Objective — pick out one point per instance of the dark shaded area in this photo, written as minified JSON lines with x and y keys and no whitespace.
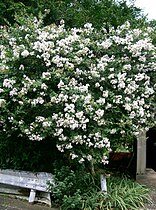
{"x":151,"y":149}
{"x":124,"y":162}
{"x":22,"y":154}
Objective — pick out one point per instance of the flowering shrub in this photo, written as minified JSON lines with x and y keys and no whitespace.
{"x":87,"y":89}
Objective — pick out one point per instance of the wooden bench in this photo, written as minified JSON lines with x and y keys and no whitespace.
{"x":32,"y":181}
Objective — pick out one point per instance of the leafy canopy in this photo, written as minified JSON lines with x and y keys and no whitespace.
{"x":75,"y":12}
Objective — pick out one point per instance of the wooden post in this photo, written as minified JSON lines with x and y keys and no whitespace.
{"x":46,"y":197}
{"x":103,"y":183}
{"x":141,"y":152}
{"x":32,"y":196}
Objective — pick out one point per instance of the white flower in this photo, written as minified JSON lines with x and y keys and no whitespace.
{"x":61,"y":84}
{"x":13,"y":92}
{"x":101,"y":101}
{"x":101,"y":88}
{"x":55,"y":116}
{"x":74,"y":125}
{"x":89,"y":157}
{"x":104,"y":160}
{"x":44,"y":86}
{"x":139,"y":76}
{"x":113,"y":131}
{"x":81,"y":160}
{"x":36,"y":101}
{"x":99,"y":113}
{"x":73,"y":156}
{"x":21,"y":67}
{"x":141,"y":112}
{"x":127,"y":99}
{"x":97,"y":84}
{"x":79,"y":115}
{"x":117,"y":99}
{"x":35,"y":137}
{"x":39,"y":119}
{"x":108,"y":106}
{"x":68,"y":146}
{"x":105,"y":44}
{"x":84,"y":88}
{"x":58,"y":131}
{"x":62,"y":22}
{"x":46,"y":75}
{"x":20,"y":102}
{"x":127,"y":107}
{"x":73,"y":98}
{"x":25,"y":53}
{"x":127,"y":67}
{"x":122,"y":132}
{"x":135,"y":105}
{"x":40,"y":100}
{"x":121,"y":85}
{"x":8,"y":83}
{"x":46,"y":124}
{"x":132,"y":115}
{"x":60,"y":148}
{"x":53,"y":99}
{"x":87,"y":99}
{"x":88,"y":25}
{"x":141,"y":101}
{"x":114,"y":81}
{"x":148,"y":91}
{"x":69,"y":108}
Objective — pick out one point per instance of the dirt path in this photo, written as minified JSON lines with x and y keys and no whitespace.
{"x":10,"y":203}
{"x":149,"y":180}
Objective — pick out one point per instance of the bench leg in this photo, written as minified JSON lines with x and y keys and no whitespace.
{"x":32,"y":196}
{"x":45,"y":196}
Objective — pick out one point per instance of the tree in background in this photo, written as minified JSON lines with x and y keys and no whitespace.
{"x":75,"y":13}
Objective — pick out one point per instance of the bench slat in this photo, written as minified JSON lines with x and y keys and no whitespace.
{"x":28,"y":180}
{"x":26,"y":173}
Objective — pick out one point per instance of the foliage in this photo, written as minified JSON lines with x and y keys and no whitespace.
{"x":68,"y":180}
{"x":75,"y":12}
{"x":84,"y":89}
{"x":73,"y":191}
{"x":21,"y":154}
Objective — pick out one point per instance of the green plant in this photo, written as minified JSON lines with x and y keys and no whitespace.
{"x":78,"y":189}
{"x":70,"y":180}
{"x":124,"y":193}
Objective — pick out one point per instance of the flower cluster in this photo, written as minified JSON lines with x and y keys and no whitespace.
{"x":86,"y":89}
